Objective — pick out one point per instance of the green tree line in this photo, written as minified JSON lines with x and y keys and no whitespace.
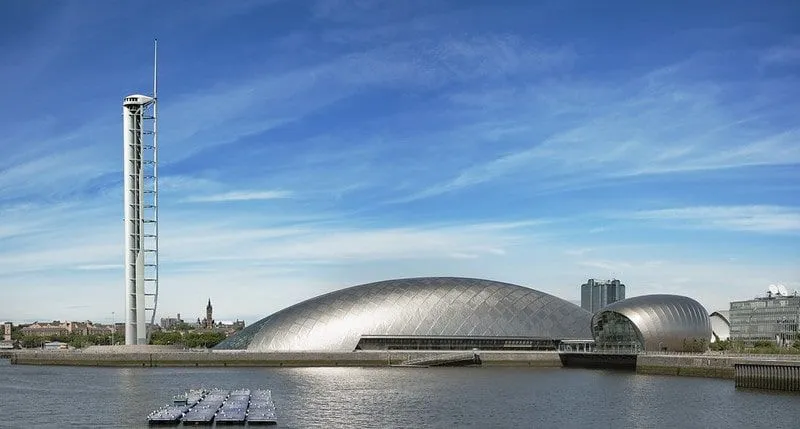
{"x":74,"y":340}
{"x":187,"y":339}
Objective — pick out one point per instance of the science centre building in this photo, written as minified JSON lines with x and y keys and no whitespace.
{"x":454,"y":313}
{"x":429,"y":313}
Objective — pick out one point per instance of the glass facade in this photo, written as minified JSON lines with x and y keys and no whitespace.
{"x":454,"y":343}
{"x":613,"y":331}
{"x":773,"y":319}
{"x":597,"y":294}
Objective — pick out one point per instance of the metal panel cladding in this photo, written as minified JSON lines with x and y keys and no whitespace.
{"x":427,"y":306}
{"x":670,"y":322}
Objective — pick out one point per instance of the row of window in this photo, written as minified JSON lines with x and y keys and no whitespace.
{"x":390,"y":343}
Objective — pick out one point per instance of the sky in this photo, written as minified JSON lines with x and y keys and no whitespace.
{"x":307,"y":146}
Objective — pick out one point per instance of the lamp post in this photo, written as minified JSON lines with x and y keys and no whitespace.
{"x":113,"y":327}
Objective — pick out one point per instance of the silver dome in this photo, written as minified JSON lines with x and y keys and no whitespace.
{"x":662,"y":322}
{"x":427,"y":306}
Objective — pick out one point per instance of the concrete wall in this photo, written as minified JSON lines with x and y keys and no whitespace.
{"x":698,"y":365}
{"x":768,"y":375}
{"x":158,"y":358}
{"x":690,"y":365}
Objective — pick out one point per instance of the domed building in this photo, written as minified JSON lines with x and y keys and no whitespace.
{"x":653,"y":323}
{"x":720,"y":325}
{"x":428,"y":313}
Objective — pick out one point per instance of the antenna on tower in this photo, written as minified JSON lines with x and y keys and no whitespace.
{"x":155,"y":69}
{"x":155,"y":256}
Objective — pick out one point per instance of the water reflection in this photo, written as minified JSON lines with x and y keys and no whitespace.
{"x":397,"y":397}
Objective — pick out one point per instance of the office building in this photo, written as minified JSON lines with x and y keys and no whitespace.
{"x":773,"y":317}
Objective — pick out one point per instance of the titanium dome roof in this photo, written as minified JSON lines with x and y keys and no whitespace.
{"x":663,"y":321}
{"x":426,"y":306}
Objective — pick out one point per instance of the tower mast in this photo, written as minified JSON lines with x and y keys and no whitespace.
{"x":140,"y":177}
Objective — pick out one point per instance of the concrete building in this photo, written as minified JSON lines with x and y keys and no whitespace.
{"x":47,"y":329}
{"x":596,"y":294}
{"x":6,"y":343}
{"x":169,"y":323}
{"x":773,"y":317}
{"x":229,"y":327}
{"x":428,"y":313}
{"x":44,"y":329}
{"x":653,"y":323}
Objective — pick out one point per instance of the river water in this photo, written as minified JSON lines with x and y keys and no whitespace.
{"x":51,"y":396}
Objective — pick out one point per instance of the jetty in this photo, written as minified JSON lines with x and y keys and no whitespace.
{"x":234,"y":409}
{"x":442,"y":359}
{"x":172,"y":414}
{"x":205,"y":410}
{"x":217,"y":406}
{"x":262,"y":409}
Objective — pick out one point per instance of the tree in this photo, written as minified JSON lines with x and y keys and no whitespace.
{"x":205,"y":339}
{"x":722,"y":345}
{"x":32,"y":341}
{"x":166,"y":338}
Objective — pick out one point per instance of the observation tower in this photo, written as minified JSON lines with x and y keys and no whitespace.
{"x":140,"y":148}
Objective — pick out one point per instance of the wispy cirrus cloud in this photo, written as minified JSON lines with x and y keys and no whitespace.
{"x":766,"y":219}
{"x":240,"y":196}
{"x":657,"y":124}
{"x":784,"y":54}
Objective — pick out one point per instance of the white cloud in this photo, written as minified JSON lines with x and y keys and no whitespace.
{"x":95,"y":267}
{"x":239,"y":196}
{"x":589,"y":132}
{"x":785,"y":54}
{"x":769,"y":219}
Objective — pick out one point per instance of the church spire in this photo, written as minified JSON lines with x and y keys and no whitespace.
{"x":209,"y":322}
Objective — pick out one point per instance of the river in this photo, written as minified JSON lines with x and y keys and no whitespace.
{"x":54,"y":396}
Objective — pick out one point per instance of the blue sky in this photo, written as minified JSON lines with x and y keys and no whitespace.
{"x":312,"y":145}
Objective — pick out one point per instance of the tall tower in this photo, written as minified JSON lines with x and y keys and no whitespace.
{"x":140,"y":148}
{"x":209,"y":315}
{"x":596,"y":294}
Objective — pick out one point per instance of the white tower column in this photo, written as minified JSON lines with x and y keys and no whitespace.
{"x":140,"y":201}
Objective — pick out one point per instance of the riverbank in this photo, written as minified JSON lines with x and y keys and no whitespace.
{"x":694,"y":365}
{"x":180,"y":358}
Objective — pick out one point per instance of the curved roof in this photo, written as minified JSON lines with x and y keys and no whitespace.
{"x":664,"y":321}
{"x":426,"y":306}
{"x":136,"y":100}
{"x":720,"y":325}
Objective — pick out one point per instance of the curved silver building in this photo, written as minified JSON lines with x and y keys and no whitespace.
{"x":652,"y":323}
{"x":720,"y":325}
{"x":431,"y":313}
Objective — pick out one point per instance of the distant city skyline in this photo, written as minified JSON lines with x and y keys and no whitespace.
{"x":312,"y":146}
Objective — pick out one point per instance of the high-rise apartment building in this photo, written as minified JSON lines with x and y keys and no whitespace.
{"x":596,"y":294}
